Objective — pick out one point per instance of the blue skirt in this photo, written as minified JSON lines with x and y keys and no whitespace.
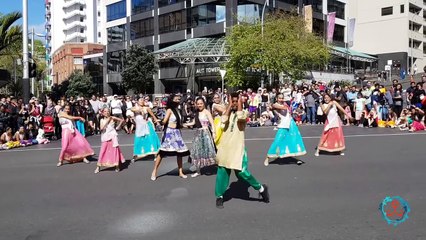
{"x":287,"y":143}
{"x":146,"y":145}
{"x":80,"y":127}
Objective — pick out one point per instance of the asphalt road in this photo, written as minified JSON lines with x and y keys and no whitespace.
{"x":328,"y":197}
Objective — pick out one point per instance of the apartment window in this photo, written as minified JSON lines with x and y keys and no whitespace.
{"x":387,"y":11}
{"x":81,"y":30}
{"x":171,"y":22}
{"x":162,"y":3}
{"x":292,"y":2}
{"x":139,"y":6}
{"x":99,"y":14}
{"x":142,"y":28}
{"x":116,"y":11}
{"x":99,"y":34}
{"x":82,"y":40}
{"x":117,"y":34}
{"x":81,"y":8}
{"x":316,"y":4}
{"x":338,"y":7}
{"x":249,"y":13}
{"x":81,"y":19}
{"x":402,"y":8}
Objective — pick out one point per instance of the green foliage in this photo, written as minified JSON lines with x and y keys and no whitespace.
{"x":139,"y":68}
{"x":80,"y":85}
{"x":285,"y":47}
{"x":9,"y":33}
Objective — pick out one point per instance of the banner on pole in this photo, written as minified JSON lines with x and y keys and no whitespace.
{"x":351,"y":31}
{"x":330,"y":29}
{"x":308,"y":17}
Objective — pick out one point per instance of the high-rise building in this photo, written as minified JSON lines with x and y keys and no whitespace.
{"x":393,"y":30}
{"x":73,"y":21}
{"x":157,"y":24}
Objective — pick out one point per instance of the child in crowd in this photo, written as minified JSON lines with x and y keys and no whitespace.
{"x":299,"y":115}
{"x":404,"y":120}
{"x":359,"y":108}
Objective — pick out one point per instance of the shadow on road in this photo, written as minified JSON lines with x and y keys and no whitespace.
{"x":238,"y":190}
{"x":285,"y":161}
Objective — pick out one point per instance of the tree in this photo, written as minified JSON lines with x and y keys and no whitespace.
{"x":80,"y":85}
{"x":139,"y":68}
{"x":285,"y":47}
{"x":9,"y":33}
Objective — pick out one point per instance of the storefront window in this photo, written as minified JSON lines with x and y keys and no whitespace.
{"x":116,"y":61}
{"x":116,"y":11}
{"x":139,"y":6}
{"x":117,"y":34}
{"x":142,"y":28}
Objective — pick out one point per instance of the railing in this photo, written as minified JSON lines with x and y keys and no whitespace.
{"x":74,"y":13}
{"x":75,"y":24}
{"x":73,"y":2}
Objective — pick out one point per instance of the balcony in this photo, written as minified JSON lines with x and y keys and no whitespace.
{"x":415,"y":52}
{"x":73,"y":2}
{"x":416,"y":35}
{"x":73,"y":25}
{"x":48,"y":26}
{"x":74,"y":35}
{"x":73,"y":13}
{"x":416,"y":18}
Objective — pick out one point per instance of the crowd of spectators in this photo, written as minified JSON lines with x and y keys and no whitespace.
{"x":372,"y":105}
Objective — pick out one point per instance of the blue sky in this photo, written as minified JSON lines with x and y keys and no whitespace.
{"x":36,"y":12}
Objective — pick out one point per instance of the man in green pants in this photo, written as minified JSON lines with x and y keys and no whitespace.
{"x":231,"y":152}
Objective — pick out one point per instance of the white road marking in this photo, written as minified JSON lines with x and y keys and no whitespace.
{"x":248,"y":139}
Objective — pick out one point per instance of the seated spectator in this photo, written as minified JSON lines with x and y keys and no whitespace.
{"x":418,"y":116}
{"x":404,"y":120}
{"x":252,"y":121}
{"x":391,"y":120}
{"x":299,"y":115}
{"x":265,"y":119}
{"x":371,"y":119}
{"x":7,"y":141}
{"x":22,"y":136}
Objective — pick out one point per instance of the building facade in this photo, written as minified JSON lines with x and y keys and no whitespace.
{"x":73,"y":21}
{"x":69,"y":57}
{"x":157,"y":24}
{"x":393,"y":30}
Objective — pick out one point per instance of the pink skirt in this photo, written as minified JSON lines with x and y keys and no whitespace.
{"x":110,"y":156}
{"x":418,"y":126}
{"x":74,"y":146}
{"x":332,"y":140}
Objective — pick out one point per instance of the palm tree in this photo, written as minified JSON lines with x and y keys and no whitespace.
{"x":9,"y":33}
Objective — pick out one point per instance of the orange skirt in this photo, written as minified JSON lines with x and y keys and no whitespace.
{"x":332,"y":140}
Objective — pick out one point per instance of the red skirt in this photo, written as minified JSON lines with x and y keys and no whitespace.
{"x":332,"y":140}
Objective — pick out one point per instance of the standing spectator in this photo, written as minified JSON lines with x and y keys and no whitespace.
{"x":116,"y":105}
{"x":264,"y":100}
{"x":310,"y":99}
{"x":95,"y":103}
{"x":359,"y":108}
{"x":397,"y":99}
{"x":4,"y":118}
{"x":286,"y":91}
{"x":418,"y":95}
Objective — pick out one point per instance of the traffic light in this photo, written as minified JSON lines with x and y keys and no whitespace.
{"x":32,"y":70}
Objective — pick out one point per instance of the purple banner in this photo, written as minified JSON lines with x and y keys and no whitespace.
{"x":331,"y":23}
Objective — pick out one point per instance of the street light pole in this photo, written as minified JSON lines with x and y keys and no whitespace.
{"x":25,"y":80}
{"x":262,"y":23}
{"x":32,"y":56}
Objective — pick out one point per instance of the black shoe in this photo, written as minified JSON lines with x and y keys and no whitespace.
{"x":265,"y":193}
{"x":299,"y":162}
{"x":219,"y":203}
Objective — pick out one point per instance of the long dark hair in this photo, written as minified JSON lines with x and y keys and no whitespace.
{"x":197,"y":114}
{"x":173,"y":106}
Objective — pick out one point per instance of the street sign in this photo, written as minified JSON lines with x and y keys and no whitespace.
{"x":390,"y":62}
{"x":222,"y":73}
{"x":387,"y":68}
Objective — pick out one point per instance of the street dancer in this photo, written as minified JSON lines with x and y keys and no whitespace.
{"x":288,"y":142}
{"x":217,"y":110}
{"x":146,"y":139}
{"x":203,"y":152}
{"x":172,"y":143}
{"x":110,"y":154}
{"x":332,"y":138}
{"x":232,"y":154}
{"x":75,"y":147}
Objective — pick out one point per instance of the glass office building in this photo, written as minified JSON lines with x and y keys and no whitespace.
{"x":157,"y":24}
